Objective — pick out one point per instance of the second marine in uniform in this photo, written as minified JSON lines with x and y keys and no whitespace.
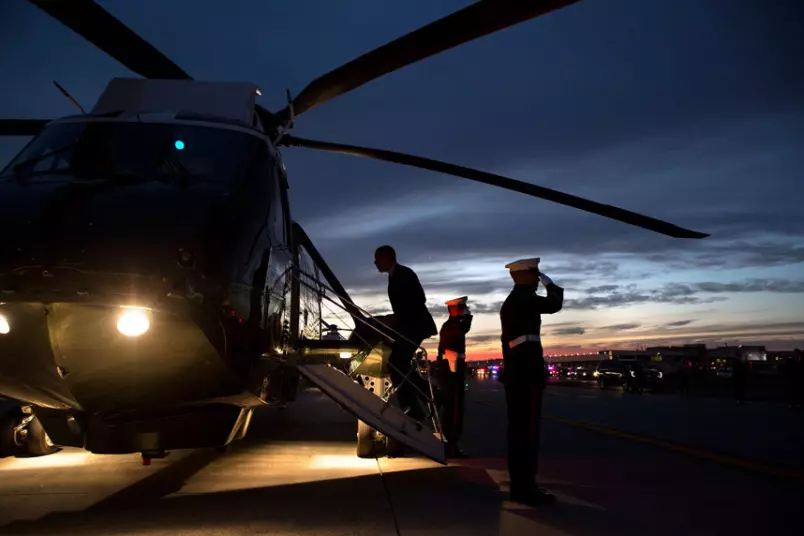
{"x":524,"y":382}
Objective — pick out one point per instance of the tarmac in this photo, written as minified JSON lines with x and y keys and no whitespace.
{"x":618,"y":463}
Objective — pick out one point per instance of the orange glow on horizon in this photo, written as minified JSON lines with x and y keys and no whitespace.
{"x":483,"y":352}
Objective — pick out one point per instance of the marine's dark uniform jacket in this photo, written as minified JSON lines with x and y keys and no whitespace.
{"x":408,"y":302}
{"x":520,"y":315}
{"x":453,"y":334}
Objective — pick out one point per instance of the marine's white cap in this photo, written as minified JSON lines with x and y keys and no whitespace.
{"x":524,"y":264}
{"x":458,"y":301}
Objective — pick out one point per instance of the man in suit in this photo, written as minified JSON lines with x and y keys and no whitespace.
{"x":414,"y":322}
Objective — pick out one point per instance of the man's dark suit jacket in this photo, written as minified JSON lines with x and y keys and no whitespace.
{"x":409,"y":304}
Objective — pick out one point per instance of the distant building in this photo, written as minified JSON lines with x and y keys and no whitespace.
{"x":743,"y":353}
{"x":575,"y":358}
{"x":688,"y":352}
{"x":628,"y":355}
{"x":780,"y":355}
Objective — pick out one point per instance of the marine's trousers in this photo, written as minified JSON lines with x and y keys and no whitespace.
{"x":524,"y":400}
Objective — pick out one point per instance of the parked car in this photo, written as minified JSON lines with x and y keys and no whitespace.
{"x":612,"y":373}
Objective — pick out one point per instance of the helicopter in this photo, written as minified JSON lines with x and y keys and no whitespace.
{"x":151,"y":289}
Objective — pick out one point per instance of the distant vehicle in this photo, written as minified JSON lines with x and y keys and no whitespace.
{"x":615,"y":373}
{"x":612,"y":373}
{"x":653,"y":377}
{"x":724,"y":372}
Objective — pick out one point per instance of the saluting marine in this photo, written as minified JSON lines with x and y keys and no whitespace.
{"x":523,"y":358}
{"x":452,"y":371}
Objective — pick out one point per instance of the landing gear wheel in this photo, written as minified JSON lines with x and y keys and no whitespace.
{"x":8,"y":439}
{"x":394,"y":448}
{"x":38,"y":442}
{"x":365,"y":440}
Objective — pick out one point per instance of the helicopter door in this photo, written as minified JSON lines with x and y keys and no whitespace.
{"x":373,"y":410}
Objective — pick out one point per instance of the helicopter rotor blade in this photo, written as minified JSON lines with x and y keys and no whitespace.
{"x":607,"y":211}
{"x":21,"y":127}
{"x":468,"y":24}
{"x":102,"y":29}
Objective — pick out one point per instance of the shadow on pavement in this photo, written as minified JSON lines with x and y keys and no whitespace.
{"x":333,"y":507}
{"x":429,"y":501}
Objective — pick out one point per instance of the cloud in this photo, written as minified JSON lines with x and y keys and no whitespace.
{"x":559,"y":324}
{"x":623,"y":299}
{"x":569,"y":331}
{"x":378,"y":310}
{"x":754,"y":285}
{"x":757,"y":252}
{"x":486,"y":307}
{"x":602,"y":288}
{"x":483,"y":338}
{"x":678,"y":293}
{"x":771,"y":334}
{"x":679,"y":323}
{"x":620,"y":327}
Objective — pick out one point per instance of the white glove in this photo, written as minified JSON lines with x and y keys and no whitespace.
{"x":545,"y":280}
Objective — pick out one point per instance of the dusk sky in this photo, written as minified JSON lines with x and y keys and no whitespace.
{"x":691,"y":111}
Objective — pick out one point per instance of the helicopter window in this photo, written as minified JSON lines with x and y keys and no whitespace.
{"x":161,"y":152}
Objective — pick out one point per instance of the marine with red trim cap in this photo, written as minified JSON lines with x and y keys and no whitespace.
{"x":524,"y":381}
{"x":452,"y":371}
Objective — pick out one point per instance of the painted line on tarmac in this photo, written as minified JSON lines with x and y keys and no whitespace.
{"x":675,"y":447}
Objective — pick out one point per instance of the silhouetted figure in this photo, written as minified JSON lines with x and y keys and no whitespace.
{"x":635,"y":379}
{"x":523,"y":358}
{"x":685,"y":378}
{"x":414,"y":322}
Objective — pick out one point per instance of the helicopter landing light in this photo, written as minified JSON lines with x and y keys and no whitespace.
{"x":4,"y":326}
{"x":179,"y":145}
{"x":133,"y":322}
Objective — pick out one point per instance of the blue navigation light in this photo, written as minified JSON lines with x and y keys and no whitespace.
{"x":179,"y":145}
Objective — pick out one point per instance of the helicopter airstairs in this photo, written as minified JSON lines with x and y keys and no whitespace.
{"x":355,"y":372}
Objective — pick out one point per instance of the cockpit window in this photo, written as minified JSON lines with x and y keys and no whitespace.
{"x":185,"y":155}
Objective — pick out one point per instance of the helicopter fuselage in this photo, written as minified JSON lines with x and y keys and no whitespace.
{"x":144,"y":281}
